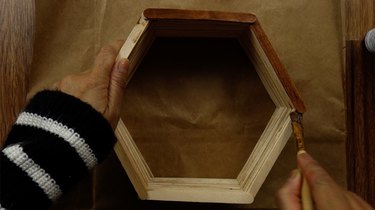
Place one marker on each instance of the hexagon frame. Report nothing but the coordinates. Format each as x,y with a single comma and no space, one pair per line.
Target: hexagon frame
246,28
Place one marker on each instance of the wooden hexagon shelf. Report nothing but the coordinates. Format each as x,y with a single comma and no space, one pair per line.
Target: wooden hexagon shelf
247,30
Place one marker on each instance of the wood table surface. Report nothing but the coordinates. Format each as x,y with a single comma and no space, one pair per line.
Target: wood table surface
360,99
16,52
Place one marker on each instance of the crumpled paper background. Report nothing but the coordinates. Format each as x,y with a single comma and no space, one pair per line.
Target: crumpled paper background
307,36
196,107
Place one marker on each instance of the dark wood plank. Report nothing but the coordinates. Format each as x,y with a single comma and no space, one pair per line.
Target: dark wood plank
360,84
360,99
177,14
369,104
359,18
16,48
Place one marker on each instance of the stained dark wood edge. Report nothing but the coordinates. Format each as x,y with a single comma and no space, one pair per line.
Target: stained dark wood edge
279,68
179,14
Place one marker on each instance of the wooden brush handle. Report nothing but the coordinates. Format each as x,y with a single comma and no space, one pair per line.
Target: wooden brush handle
307,201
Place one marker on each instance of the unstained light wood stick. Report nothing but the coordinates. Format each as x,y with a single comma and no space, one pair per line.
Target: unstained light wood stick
297,126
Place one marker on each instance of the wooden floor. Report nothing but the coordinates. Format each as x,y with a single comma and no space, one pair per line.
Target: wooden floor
360,99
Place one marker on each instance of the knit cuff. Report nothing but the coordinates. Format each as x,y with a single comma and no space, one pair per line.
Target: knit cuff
84,128
52,145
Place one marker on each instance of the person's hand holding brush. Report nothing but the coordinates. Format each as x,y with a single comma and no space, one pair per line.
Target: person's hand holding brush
326,193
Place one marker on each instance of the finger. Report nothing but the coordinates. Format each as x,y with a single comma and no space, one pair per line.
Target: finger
288,197
326,193
118,80
105,60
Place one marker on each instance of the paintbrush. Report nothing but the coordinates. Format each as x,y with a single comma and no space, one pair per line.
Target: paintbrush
297,126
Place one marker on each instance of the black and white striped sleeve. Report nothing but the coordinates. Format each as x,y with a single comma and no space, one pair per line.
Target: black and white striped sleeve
55,141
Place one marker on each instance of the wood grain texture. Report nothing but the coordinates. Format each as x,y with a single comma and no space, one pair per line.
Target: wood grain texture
360,99
16,49
359,18
177,14
360,84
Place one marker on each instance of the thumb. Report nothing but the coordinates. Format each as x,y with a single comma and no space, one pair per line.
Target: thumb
118,79
288,197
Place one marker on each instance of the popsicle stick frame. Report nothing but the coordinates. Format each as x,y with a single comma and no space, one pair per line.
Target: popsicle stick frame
246,28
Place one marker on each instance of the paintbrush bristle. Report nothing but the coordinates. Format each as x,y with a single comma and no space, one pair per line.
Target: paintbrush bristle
296,117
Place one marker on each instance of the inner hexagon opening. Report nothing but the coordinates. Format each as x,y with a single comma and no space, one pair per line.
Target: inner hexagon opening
196,107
